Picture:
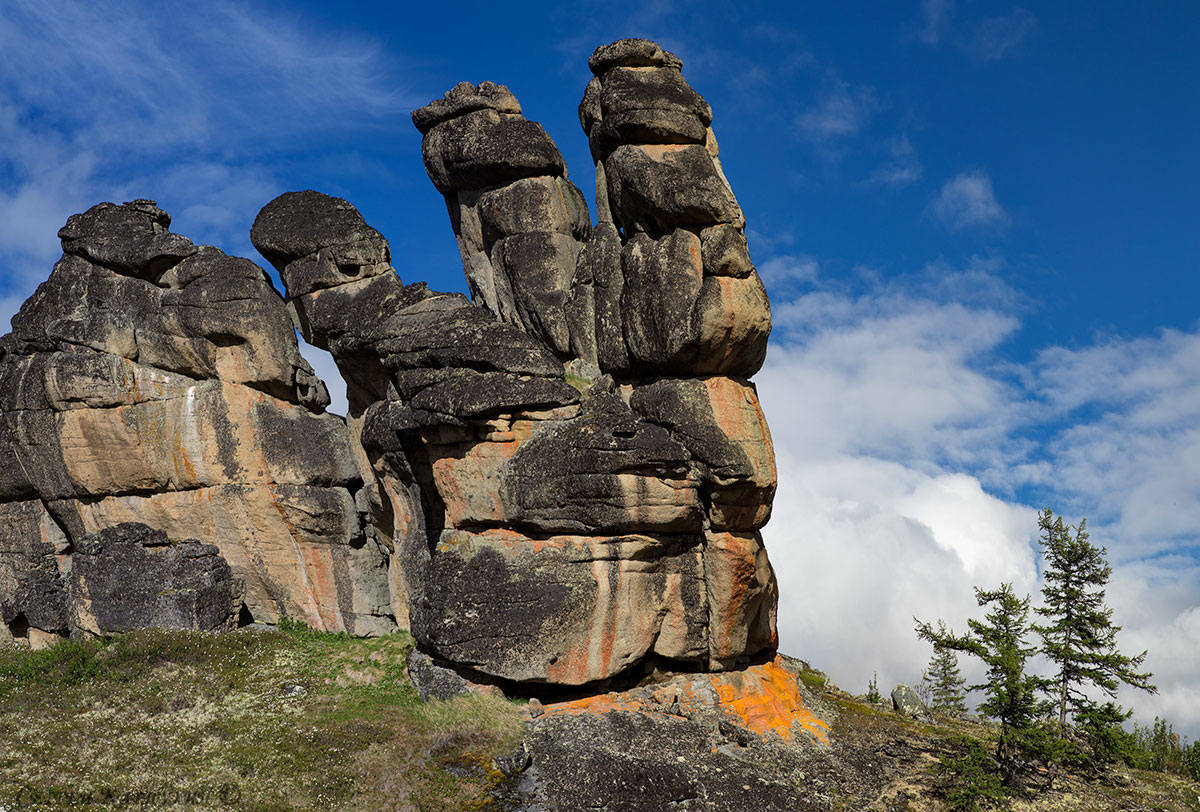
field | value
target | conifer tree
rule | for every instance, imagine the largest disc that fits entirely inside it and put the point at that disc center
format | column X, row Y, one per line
column 942, row 683
column 999, row 641
column 1079, row 637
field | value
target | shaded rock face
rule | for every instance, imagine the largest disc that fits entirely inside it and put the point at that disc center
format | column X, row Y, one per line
column 151, row 380
column 570, row 470
column 131, row 576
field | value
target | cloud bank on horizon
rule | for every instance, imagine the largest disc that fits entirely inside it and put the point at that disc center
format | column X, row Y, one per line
column 959, row 340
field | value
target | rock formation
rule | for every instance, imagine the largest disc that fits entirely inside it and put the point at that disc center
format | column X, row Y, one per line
column 571, row 470
column 551, row 482
column 151, row 380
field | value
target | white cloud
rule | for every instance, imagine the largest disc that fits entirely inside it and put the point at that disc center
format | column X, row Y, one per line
column 901, row 440
column 967, row 200
column 842, row 111
column 1137, row 437
column 874, row 401
column 785, row 270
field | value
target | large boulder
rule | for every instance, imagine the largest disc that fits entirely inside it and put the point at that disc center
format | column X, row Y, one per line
column 131, row 576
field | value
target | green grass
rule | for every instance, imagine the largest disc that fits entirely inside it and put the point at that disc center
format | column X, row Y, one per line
column 287, row 720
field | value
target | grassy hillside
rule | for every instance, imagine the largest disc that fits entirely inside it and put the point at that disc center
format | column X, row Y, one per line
column 300, row 720
column 280, row 720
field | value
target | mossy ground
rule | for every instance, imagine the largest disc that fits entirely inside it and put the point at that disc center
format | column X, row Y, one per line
column 301, row 720
column 267, row 720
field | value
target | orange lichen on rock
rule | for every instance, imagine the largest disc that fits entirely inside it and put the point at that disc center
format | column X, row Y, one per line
column 766, row 698
column 600, row 703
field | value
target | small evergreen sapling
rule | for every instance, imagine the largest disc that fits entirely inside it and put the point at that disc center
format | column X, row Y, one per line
column 999, row 641
column 942, row 685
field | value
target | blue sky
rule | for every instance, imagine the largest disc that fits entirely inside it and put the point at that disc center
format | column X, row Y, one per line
column 978, row 223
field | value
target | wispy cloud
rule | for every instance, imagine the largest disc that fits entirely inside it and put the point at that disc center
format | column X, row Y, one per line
column 968, row 201
column 994, row 38
column 902, row 169
column 985, row 39
column 786, row 270
column 123, row 99
column 935, row 20
column 842, row 111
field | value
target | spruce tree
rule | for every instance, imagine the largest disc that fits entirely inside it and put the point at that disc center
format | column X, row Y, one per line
column 942, row 683
column 999, row 641
column 1079, row 637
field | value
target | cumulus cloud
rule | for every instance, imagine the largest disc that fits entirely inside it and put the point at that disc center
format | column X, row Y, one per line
column 968, row 201
column 877, row 406
column 902, row 441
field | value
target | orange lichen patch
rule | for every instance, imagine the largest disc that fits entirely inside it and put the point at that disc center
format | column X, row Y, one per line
column 659, row 152
column 766, row 698
column 600, row 703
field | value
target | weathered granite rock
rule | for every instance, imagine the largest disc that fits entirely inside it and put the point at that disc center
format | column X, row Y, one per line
column 432, row 679
column 569, row 472
column 556, row 481
column 692, row 301
column 131, row 576
column 906, row 701
column 151, row 380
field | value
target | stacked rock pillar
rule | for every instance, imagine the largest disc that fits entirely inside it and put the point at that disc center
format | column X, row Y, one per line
column 519, row 222
column 660, row 305
column 682, row 312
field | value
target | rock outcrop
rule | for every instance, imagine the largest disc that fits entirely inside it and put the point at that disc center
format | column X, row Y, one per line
column 570, row 470
column 554, row 481
column 152, row 380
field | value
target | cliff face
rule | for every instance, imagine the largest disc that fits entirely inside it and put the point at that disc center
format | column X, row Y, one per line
column 549, row 483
